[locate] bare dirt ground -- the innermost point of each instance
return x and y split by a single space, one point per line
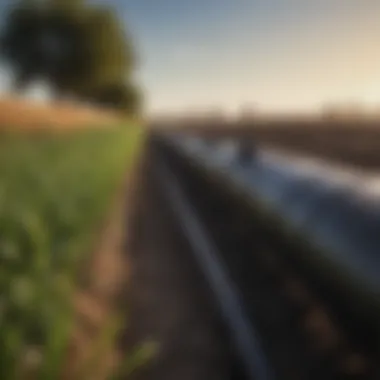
168 301
100 300
19 114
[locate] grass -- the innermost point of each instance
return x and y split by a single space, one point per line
54 192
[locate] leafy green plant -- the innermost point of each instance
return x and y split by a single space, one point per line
54 192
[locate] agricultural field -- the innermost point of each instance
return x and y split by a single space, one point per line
19 114
354 142
55 191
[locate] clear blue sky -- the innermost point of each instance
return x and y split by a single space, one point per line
279 54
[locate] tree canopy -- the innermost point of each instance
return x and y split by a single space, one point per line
82 50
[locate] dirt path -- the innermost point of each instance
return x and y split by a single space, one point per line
169 302
98 300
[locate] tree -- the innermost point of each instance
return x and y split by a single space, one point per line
80 49
124 97
131 99
19 42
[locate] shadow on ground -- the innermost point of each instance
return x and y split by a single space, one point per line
168 300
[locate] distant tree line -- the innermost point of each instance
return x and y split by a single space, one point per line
82 51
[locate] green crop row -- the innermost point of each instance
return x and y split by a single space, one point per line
54 192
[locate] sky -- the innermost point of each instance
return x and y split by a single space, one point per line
273 54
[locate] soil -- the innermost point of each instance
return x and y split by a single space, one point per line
23 115
142 269
168 300
97 302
